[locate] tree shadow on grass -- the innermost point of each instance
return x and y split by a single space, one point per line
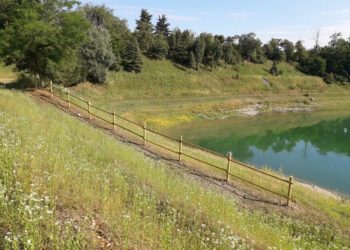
22 83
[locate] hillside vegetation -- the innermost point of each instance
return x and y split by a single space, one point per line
166 79
166 94
67 185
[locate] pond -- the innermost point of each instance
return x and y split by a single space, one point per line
313 147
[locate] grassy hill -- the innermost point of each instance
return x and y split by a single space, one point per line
166 79
66 185
165 94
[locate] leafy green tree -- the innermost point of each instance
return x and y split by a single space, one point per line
337 55
208 58
159 48
300 53
230 54
217 51
198 51
273 50
97 55
289 50
132 57
250 47
41 35
144 29
162 26
117 28
314 65
7 11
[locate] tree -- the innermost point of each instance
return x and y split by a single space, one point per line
337 56
289 50
159 48
117 28
144 29
7 11
132 57
273 50
316 38
199 49
300 53
162 26
250 47
208 58
192 60
181 44
230 54
217 50
41 35
314 65
97 54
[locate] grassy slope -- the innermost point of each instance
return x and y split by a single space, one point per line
164 79
66 185
164 94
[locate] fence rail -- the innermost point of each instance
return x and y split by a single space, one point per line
224 164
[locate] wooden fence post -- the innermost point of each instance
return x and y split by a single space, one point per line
68 98
89 111
144 134
290 190
180 148
228 170
114 119
51 89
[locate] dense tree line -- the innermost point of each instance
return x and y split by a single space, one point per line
67 43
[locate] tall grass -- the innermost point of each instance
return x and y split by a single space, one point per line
66 185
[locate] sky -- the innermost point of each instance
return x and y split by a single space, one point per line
291 19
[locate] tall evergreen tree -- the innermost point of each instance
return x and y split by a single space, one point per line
132 57
181 45
162 27
144 29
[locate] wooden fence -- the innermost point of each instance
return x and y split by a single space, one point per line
218 164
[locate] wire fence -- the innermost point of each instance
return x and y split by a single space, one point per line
205 160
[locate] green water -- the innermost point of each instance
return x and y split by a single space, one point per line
313 147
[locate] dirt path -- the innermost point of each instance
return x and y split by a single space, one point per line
246 197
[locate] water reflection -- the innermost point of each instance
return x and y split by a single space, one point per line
315 150
326 136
